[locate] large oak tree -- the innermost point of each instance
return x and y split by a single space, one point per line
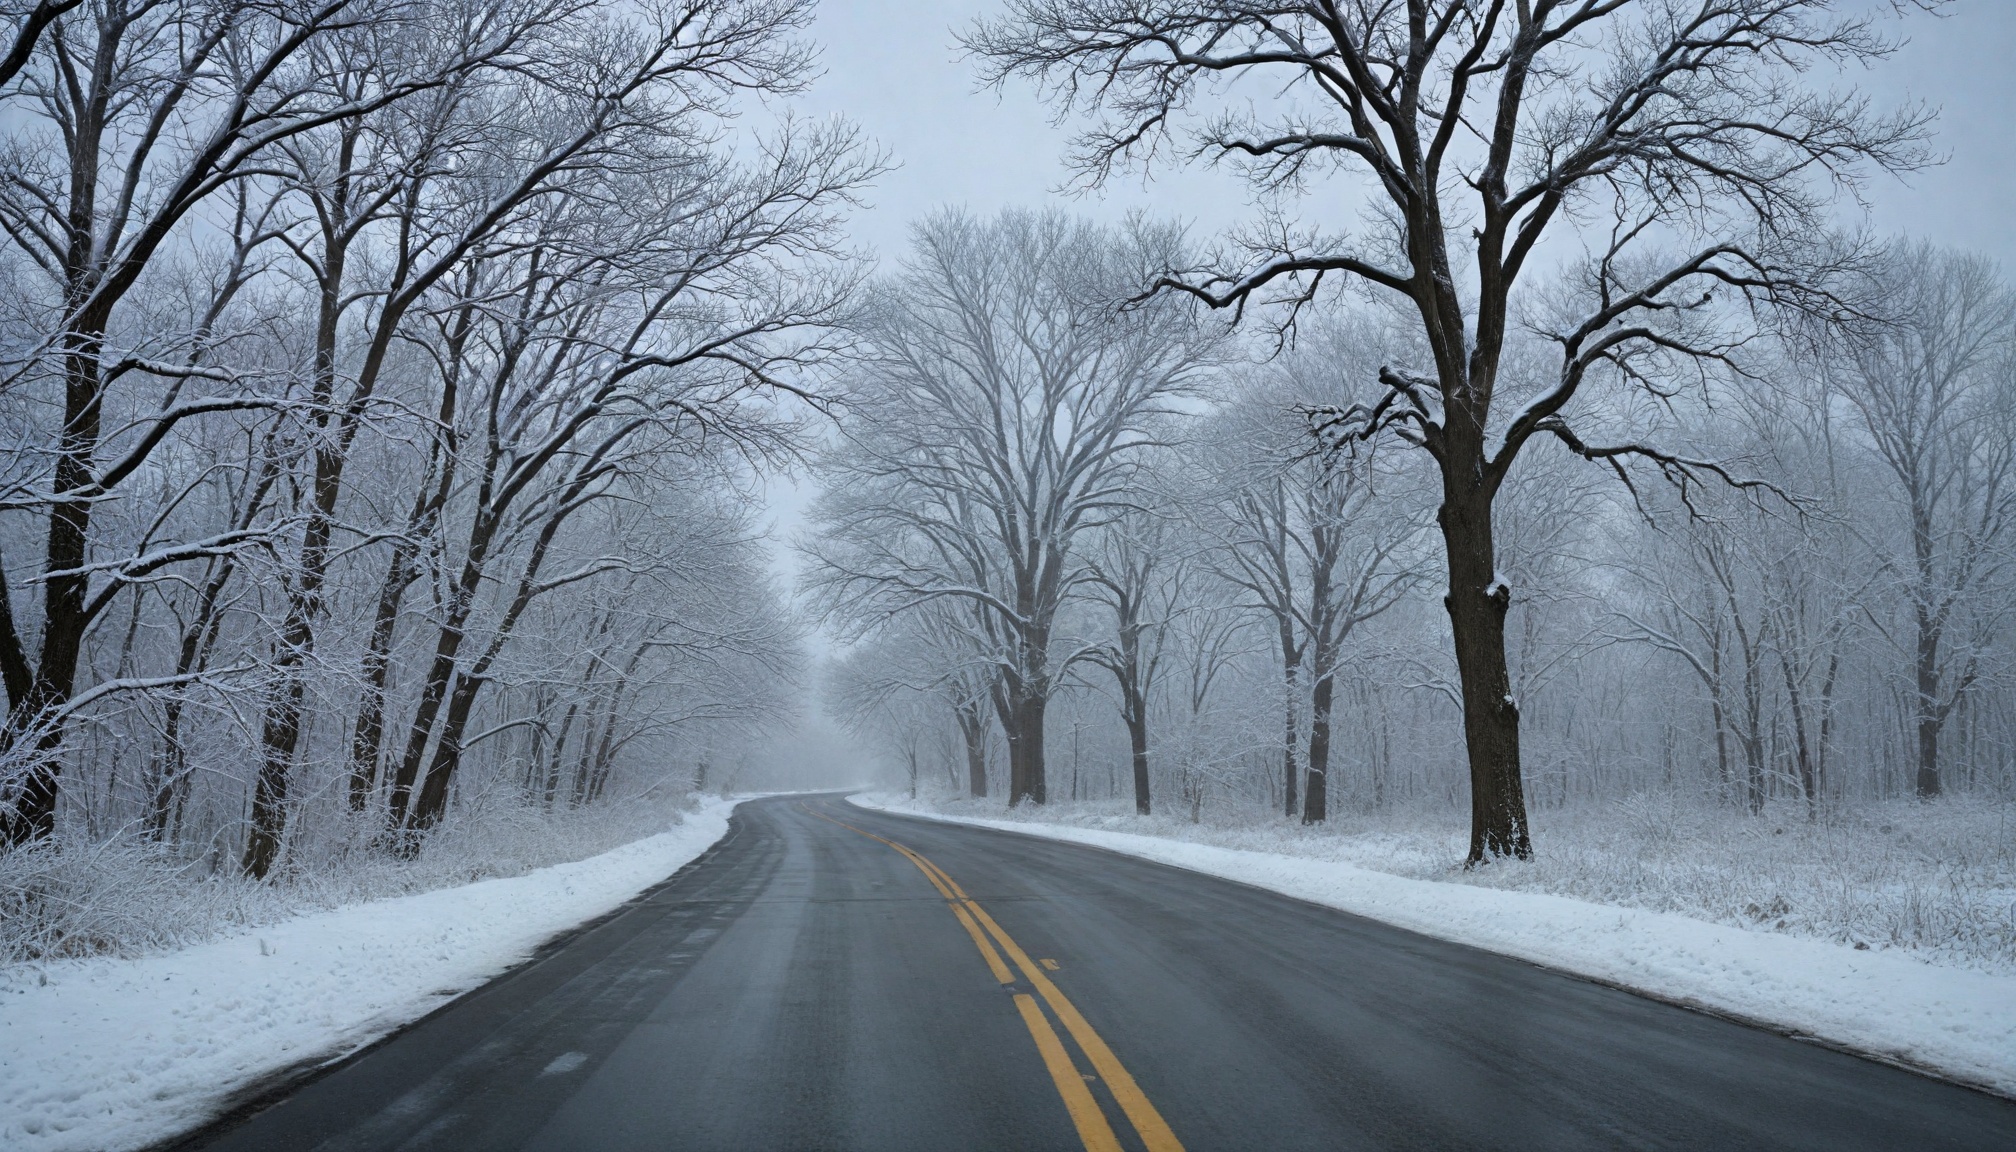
1671 146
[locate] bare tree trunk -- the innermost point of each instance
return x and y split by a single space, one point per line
65 616
560 747
973 730
1478 602
1316 797
1137 744
368 734
1716 713
199 639
1930 717
433 801
1827 686
434 690
1022 723
1802 749
1289 739
280 733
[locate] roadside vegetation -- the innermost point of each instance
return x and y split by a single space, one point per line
384 387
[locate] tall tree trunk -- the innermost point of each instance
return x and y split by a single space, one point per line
280 730
1023 725
433 802
1718 714
560 746
1809 781
199 639
973 730
367 734
1316 797
1289 803
1137 743
1478 603
434 690
1129 673
64 609
1753 770
447 649
1930 717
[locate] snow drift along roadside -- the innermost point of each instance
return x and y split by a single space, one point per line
116 1054
1955 1022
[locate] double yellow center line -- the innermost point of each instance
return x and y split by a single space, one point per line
1086 1115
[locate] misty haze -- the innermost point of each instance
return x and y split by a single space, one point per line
1021 574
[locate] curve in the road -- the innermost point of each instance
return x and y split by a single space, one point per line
803 987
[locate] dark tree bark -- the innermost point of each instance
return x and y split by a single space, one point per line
1135 716
1022 712
1478 602
1290 665
1316 794
367 735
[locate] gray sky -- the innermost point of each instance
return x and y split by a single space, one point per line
893 68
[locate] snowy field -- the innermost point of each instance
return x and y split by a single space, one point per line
106 1053
1841 948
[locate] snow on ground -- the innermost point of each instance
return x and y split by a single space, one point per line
103 1054
1955 1021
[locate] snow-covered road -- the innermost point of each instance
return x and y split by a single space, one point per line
106 1054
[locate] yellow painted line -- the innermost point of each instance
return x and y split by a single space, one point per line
1148 1123
994 963
1052 965
1085 1114
931 873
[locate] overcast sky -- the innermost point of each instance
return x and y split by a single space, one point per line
893 67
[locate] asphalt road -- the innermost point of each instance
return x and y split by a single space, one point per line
806 985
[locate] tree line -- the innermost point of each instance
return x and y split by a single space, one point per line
384 381
1595 234
1155 555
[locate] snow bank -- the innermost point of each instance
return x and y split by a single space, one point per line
1956 1022
113 1054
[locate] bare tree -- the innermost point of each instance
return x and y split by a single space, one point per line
1936 394
92 191
1314 550
1004 414
1664 131
1144 587
518 162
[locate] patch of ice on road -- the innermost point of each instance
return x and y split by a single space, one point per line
106 1054
1957 1022
564 1063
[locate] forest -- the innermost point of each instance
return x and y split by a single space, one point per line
391 390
